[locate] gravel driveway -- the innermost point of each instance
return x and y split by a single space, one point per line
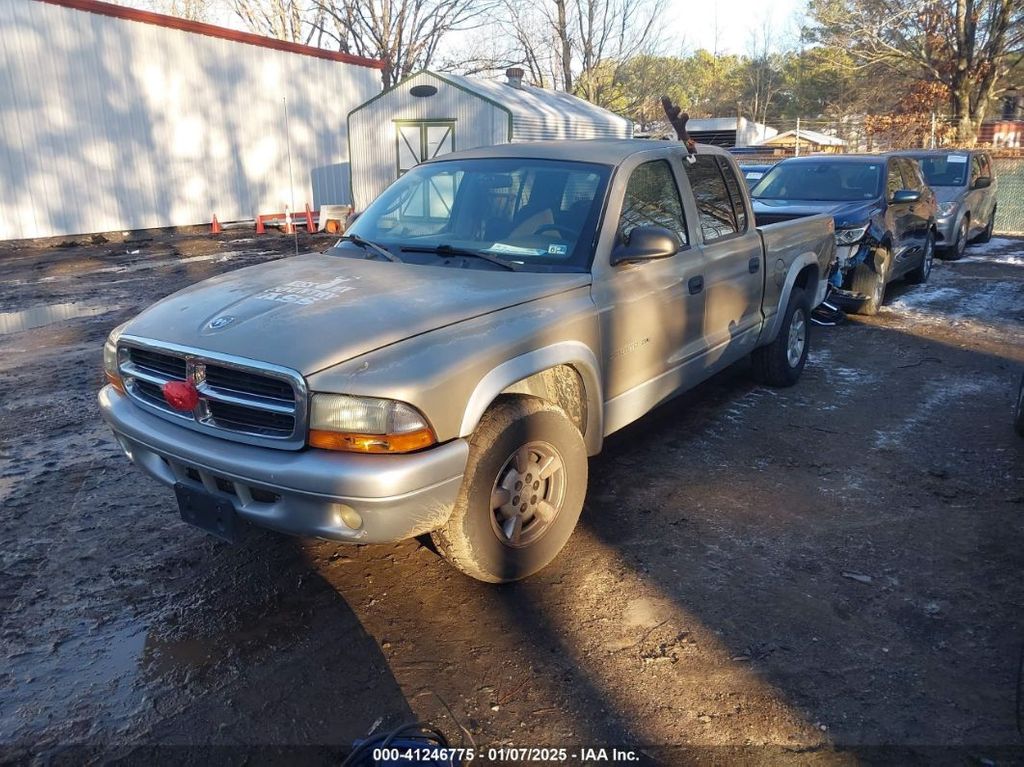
823 570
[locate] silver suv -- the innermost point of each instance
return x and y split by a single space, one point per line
964 183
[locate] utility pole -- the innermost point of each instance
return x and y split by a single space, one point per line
797 150
933 131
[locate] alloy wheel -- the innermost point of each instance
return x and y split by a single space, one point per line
527 494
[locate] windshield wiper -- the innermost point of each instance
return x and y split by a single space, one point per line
355 239
448 250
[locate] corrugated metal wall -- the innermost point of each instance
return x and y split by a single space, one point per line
109 124
373 137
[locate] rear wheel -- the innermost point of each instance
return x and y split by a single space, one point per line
871 282
521 495
920 273
781 362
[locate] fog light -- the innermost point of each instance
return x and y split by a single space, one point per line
349 516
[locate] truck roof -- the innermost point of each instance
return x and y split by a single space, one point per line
601 151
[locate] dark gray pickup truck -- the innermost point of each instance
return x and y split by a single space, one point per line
450 364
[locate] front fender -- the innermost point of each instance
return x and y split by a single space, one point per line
575 354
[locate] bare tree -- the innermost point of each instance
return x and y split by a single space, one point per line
404 34
193 10
579 46
292 20
966 45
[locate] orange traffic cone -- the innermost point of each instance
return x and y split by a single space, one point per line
215 227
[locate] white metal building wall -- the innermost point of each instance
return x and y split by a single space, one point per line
373 137
110 124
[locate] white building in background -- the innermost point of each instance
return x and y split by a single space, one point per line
728 131
113 118
430 114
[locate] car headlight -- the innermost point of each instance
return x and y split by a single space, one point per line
110 363
947 208
850 236
367 425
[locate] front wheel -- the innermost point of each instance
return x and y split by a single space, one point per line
781 362
871 283
920 273
986 236
521 495
956 251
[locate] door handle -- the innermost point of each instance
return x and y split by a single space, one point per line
754 264
696 284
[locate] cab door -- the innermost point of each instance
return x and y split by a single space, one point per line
900 218
734 261
652 312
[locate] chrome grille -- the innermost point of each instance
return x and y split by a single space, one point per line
238 399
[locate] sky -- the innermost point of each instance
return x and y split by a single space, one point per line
692 23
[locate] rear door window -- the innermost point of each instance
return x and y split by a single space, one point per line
715 206
732 185
652 199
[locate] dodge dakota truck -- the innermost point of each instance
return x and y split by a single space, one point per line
450 364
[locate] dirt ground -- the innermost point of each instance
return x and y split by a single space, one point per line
807 575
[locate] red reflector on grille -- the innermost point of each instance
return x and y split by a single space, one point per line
181 395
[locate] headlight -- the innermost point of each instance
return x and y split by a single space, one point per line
947 208
110 366
367 425
850 236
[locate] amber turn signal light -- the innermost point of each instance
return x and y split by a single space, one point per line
371 443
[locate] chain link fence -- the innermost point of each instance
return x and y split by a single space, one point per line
881 133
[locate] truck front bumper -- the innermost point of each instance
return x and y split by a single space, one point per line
306 492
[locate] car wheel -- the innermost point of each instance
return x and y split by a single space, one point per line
521 495
781 362
871 282
1018 412
956 251
986 236
920 273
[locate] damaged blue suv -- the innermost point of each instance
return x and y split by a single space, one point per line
884 214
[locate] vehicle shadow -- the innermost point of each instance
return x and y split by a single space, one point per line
812 531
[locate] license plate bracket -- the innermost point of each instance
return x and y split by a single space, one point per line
208 512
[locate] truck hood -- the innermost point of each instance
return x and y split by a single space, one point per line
313 311
853 213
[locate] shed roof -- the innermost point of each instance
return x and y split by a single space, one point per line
211 30
810 136
530 99
527 101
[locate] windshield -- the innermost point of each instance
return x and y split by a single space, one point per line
826 180
944 169
539 215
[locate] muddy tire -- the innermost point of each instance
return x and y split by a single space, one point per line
956 251
919 274
781 362
1018 410
986 236
871 283
522 493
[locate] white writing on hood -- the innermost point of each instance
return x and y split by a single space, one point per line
305 293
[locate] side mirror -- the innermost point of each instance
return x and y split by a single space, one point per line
982 182
904 196
646 243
